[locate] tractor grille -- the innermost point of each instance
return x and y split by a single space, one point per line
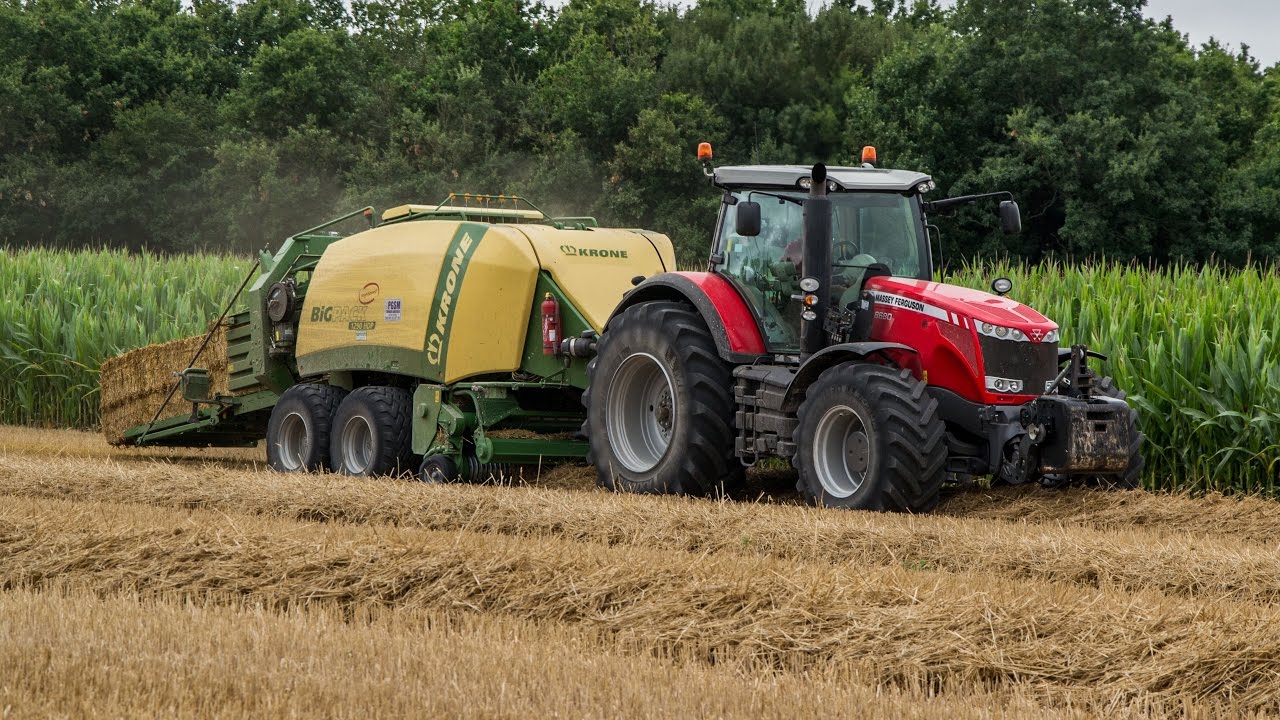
1035 364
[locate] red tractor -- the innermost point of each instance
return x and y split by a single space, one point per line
817 334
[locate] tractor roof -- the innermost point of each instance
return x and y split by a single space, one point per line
847 178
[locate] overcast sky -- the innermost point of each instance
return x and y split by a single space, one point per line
1255 23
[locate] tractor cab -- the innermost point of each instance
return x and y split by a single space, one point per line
877 227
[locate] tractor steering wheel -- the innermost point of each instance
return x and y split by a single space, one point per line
843 250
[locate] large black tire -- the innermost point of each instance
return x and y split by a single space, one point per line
660 405
870 438
298 431
1131 478
371 433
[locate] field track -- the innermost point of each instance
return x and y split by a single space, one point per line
522 601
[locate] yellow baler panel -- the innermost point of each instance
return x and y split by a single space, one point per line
356 277
493 308
594 267
396 298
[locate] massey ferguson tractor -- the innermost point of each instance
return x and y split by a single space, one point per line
818 335
463 340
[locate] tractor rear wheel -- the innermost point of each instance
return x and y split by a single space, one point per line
371 433
298 431
660 405
870 438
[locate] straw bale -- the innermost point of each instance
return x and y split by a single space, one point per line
134 384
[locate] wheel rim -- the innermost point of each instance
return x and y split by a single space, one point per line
294 442
842 452
357 446
641 412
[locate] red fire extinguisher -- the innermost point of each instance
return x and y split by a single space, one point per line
550 325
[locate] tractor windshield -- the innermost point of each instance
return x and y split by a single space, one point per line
867 227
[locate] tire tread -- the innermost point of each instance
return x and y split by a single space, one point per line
709 465
913 438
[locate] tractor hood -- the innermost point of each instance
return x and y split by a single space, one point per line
960 305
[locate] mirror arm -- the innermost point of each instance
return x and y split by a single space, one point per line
939 205
934 233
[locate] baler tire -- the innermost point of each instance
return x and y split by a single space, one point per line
309 408
905 439
438 469
699 455
1131 478
374 424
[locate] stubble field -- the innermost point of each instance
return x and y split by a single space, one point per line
195 584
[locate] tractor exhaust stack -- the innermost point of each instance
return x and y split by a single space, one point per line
815 265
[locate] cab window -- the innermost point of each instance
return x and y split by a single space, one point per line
867 228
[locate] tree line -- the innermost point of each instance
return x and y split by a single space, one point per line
227 125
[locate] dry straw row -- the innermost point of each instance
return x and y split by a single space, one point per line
1244 517
154 657
1070 646
1241 517
1212 568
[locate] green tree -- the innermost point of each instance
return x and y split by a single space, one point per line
656 181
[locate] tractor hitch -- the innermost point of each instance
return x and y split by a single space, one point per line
1076 376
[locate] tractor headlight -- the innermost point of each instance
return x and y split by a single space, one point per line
1004 385
998 331
1007 333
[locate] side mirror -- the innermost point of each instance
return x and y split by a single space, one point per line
1010 217
747 223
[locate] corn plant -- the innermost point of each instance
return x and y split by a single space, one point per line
1195 348
63 313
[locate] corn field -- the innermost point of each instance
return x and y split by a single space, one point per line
63 313
1194 347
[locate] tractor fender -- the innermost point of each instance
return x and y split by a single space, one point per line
829 357
727 316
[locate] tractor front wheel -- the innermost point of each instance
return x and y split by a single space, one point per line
298 431
660 405
870 438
